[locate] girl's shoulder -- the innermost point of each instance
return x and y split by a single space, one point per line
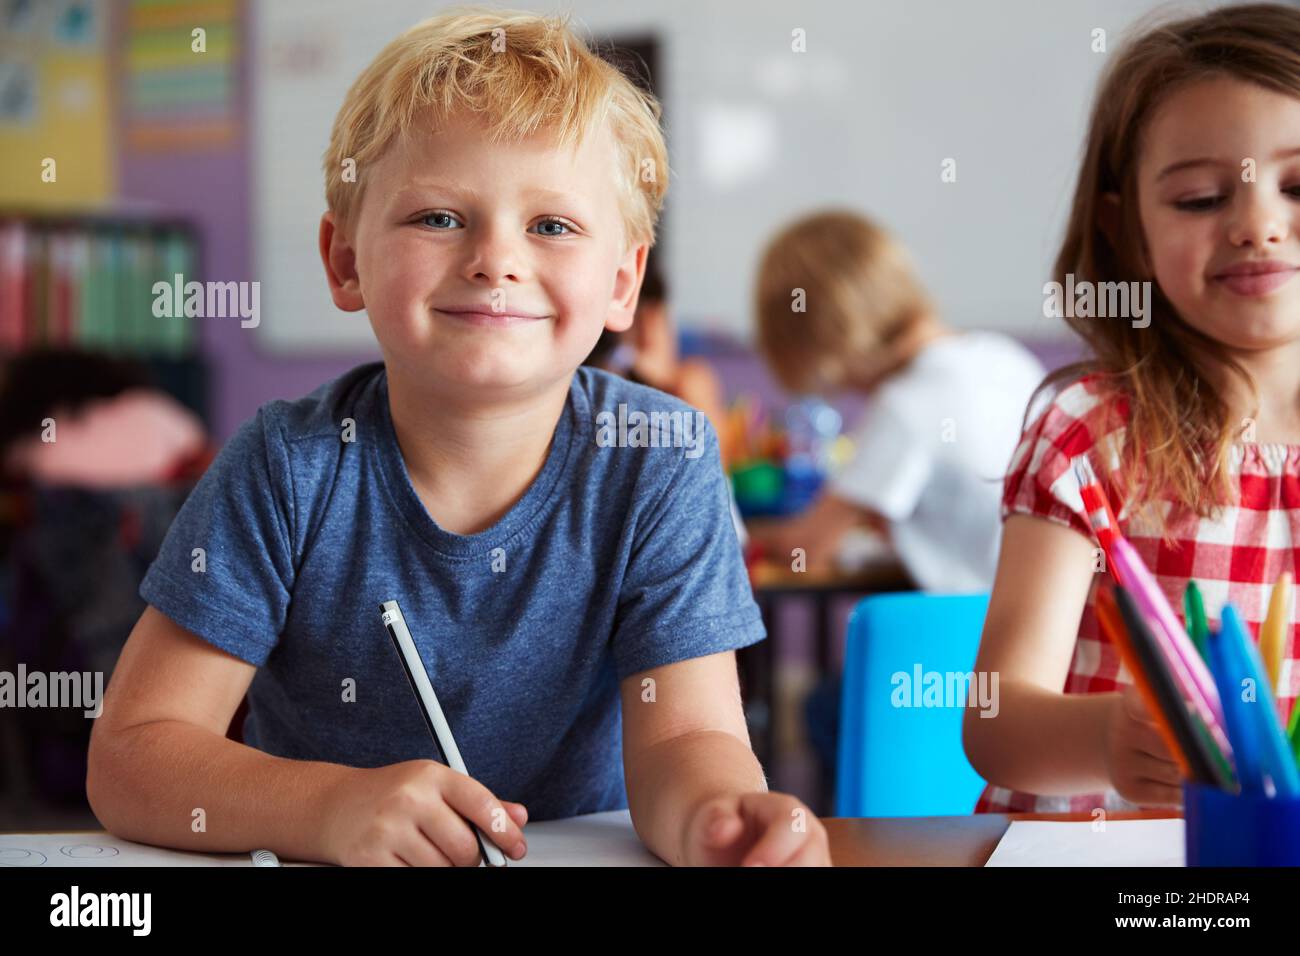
1084 417
1080 414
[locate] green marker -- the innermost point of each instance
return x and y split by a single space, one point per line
1293 731
1194 612
1225 768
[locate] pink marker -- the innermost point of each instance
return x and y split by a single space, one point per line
1190 672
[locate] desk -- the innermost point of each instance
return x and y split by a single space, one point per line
940 841
608 838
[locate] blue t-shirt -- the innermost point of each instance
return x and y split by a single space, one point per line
615 560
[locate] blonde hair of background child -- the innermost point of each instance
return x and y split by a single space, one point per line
1179 435
522 73
861 300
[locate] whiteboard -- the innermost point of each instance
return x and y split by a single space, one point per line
758 134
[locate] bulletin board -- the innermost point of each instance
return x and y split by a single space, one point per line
55 106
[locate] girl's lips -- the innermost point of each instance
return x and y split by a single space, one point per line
1259 284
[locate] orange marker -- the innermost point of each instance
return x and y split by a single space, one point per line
1109 617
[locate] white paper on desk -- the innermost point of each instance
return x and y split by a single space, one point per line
100 850
596 839
1121 843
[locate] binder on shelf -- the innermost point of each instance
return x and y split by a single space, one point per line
88 282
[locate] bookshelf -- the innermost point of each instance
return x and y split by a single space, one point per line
85 281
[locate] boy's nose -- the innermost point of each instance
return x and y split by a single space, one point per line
494 258
495 276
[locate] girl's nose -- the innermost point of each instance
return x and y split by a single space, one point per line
1259 219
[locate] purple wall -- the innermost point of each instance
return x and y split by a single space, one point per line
214 189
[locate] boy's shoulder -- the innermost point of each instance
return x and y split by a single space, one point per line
307 437
299 444
607 394
960 359
606 390
325 411
992 358
616 414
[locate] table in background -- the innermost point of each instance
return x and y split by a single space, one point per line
773 583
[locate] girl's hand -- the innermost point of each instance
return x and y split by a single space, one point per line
755 829
1141 768
414 814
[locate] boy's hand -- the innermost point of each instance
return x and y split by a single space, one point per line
755 829
1142 770
414 814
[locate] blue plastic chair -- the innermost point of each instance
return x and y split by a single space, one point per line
906 761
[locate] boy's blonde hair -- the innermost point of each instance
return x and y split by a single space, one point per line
859 295
521 73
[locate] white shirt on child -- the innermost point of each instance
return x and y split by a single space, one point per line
932 449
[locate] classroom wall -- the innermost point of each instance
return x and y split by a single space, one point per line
982 243
243 375
772 110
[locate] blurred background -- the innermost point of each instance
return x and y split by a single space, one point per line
127 157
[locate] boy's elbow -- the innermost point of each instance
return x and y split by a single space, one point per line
101 787
96 791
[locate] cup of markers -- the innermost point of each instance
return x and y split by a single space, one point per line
1240 829
1212 697
1241 790
1257 823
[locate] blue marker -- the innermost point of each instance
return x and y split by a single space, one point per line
1236 721
1241 661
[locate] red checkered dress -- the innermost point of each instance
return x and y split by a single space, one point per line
1236 558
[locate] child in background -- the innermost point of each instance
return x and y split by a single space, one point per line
1189 414
577 604
647 353
839 307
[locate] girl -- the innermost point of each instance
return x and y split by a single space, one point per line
1190 415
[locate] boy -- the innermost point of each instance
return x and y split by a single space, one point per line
945 407
506 187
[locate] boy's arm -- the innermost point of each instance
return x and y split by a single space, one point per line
159 753
685 744
817 530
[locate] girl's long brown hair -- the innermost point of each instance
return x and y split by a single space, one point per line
1179 435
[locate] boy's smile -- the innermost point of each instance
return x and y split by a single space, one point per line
488 266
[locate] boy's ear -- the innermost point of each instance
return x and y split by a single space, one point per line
627 289
340 261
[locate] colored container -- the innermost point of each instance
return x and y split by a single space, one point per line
1228 829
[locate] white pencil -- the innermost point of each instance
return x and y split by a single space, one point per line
433 716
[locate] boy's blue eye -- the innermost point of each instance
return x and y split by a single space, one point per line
442 219
552 222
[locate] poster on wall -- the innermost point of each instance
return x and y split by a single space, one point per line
181 83
55 137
